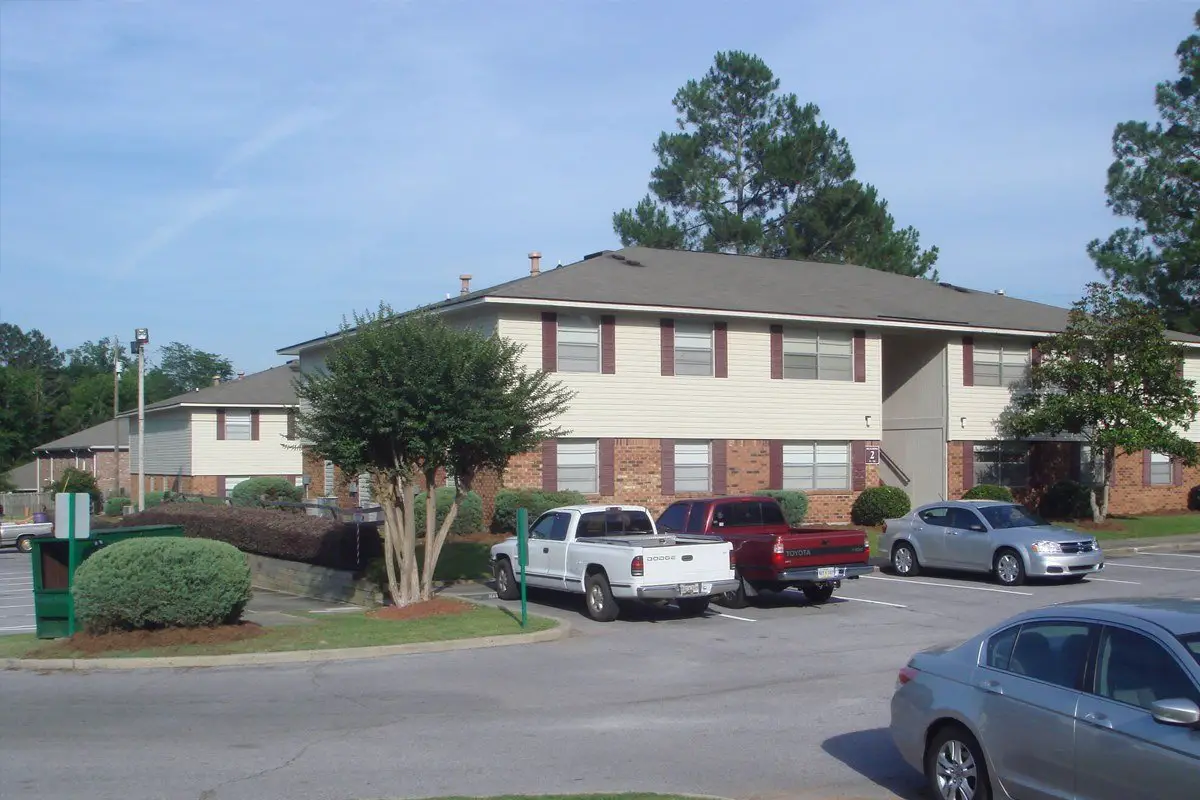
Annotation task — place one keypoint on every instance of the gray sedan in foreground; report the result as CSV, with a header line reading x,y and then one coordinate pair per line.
x,y
1089,700
1005,539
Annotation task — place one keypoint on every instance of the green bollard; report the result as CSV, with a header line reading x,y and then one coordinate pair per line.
x,y
523,558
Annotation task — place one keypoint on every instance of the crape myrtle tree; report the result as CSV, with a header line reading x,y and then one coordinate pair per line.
x,y
1112,380
402,397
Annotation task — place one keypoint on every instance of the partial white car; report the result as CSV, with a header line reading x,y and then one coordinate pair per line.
x,y
21,536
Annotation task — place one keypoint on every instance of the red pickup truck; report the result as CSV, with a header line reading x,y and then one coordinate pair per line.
x,y
770,554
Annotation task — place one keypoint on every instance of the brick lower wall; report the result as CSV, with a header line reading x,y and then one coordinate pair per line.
x,y
101,463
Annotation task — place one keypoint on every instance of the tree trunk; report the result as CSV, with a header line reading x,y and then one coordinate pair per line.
x,y
435,540
410,579
399,541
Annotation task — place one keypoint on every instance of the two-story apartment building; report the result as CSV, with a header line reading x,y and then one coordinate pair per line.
x,y
209,440
699,373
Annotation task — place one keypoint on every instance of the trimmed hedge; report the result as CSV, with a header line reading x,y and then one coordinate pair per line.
x,y
254,491
156,498
504,519
987,491
1194,499
877,503
1067,500
161,582
79,481
793,503
470,512
113,506
275,534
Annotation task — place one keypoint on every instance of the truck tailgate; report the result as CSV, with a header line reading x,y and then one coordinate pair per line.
x,y
685,563
823,547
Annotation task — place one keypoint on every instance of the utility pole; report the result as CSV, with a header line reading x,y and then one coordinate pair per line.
x,y
116,490
141,338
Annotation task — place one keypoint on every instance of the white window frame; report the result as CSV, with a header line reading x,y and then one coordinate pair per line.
x,y
578,344
580,460
231,482
693,466
1162,470
1090,465
997,363
817,466
693,340
1005,471
364,489
818,354
238,425
330,490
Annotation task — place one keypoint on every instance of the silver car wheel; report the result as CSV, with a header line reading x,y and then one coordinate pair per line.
x,y
957,775
501,579
1008,568
903,560
596,599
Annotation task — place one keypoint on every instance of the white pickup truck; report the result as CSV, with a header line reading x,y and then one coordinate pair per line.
x,y
613,553
22,535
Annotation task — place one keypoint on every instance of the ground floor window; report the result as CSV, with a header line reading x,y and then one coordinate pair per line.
x,y
578,467
1002,464
1162,471
329,490
232,482
693,466
816,465
1091,465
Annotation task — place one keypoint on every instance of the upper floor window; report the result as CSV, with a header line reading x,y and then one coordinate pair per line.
x,y
999,363
693,348
1002,464
693,466
578,467
826,355
578,344
237,425
1162,471
816,465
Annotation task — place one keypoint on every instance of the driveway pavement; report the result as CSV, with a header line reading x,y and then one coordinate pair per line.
x,y
783,701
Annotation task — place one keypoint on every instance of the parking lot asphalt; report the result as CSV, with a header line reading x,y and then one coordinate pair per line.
x,y
785,700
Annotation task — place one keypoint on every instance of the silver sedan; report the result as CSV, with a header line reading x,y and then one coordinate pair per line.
x,y
1004,539
1094,701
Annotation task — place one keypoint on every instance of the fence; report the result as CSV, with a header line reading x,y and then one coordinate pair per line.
x,y
21,505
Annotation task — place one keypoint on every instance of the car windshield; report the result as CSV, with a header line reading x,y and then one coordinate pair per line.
x,y
1192,643
1014,516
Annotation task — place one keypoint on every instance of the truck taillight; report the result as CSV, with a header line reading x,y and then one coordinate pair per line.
x,y
637,567
732,559
777,552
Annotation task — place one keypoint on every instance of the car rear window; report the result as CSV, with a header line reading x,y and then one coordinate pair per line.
x,y
613,523
673,518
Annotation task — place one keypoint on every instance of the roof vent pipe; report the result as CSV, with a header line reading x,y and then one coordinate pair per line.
x,y
466,284
535,263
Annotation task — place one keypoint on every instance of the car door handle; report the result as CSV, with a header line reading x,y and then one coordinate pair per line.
x,y
545,549
1099,720
992,687
951,532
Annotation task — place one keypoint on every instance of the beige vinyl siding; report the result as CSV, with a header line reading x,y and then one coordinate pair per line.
x,y
638,401
272,454
168,445
980,405
1191,371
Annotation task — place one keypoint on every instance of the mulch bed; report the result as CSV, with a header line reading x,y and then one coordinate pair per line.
x,y
437,607
95,644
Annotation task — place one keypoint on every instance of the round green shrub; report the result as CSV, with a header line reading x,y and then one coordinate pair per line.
x,y
156,498
114,506
1194,499
1067,500
504,518
793,503
878,503
79,481
161,582
470,512
987,491
254,491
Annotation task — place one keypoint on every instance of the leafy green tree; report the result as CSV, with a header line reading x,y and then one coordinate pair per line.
x,y
401,397
27,349
1113,380
1155,179
29,399
753,171
79,481
182,368
97,357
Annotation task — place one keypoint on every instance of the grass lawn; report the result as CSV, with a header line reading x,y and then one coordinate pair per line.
x,y
328,632
1144,527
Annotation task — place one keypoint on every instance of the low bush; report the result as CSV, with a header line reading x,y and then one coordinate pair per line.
x,y
987,491
878,503
1066,500
161,582
157,498
256,491
793,503
79,481
275,534
113,506
470,512
504,519
1194,499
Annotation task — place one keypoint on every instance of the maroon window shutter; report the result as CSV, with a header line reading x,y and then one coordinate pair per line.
x,y
720,466
1146,467
220,424
254,425
858,465
608,472
668,466
549,341
220,486
775,457
1177,471
776,352
667,346
550,465
1035,355
291,424
860,356
968,361
1076,466
721,349
968,459
608,345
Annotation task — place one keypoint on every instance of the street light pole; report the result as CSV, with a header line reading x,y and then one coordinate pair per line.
x,y
116,416
142,338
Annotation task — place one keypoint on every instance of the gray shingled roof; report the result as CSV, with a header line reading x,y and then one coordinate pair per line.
x,y
97,437
24,477
643,276
271,387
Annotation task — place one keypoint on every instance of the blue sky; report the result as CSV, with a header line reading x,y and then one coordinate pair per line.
x,y
237,176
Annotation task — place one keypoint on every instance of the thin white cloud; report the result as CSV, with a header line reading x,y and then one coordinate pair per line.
x,y
198,210
270,137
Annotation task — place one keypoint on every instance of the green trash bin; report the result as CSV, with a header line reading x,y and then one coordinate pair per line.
x,y
52,579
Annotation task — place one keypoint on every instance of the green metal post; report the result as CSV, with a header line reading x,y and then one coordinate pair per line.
x,y
71,564
523,558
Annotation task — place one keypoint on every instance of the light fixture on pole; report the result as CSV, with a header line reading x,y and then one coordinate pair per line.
x,y
141,338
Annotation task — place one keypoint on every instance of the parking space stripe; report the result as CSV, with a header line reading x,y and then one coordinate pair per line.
x,y
23,605
872,602
335,610
19,628
948,585
1112,580
1138,566
731,616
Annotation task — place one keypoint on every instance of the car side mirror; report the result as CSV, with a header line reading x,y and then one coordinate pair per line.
x,y
1175,711
978,528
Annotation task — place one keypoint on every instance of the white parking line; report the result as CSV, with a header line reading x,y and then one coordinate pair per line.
x,y
19,628
25,605
1112,580
872,602
336,610
16,580
731,616
1138,566
948,585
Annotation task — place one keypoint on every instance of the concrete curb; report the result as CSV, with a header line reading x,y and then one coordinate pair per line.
x,y
1150,549
561,631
